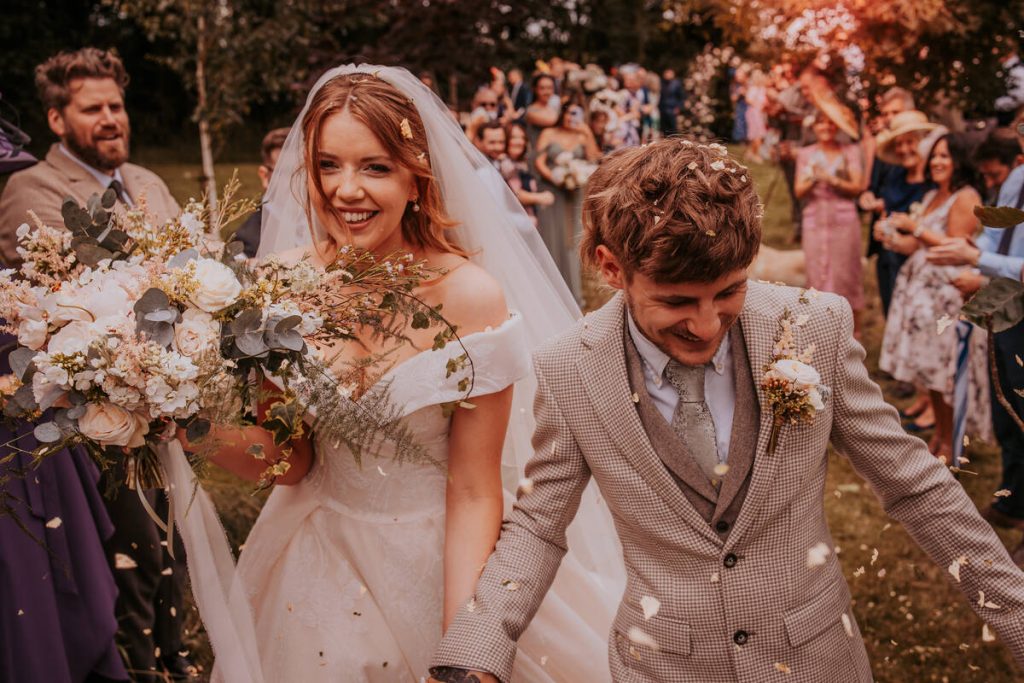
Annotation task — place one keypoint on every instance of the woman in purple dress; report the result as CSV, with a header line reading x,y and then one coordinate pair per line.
x,y
56,589
828,178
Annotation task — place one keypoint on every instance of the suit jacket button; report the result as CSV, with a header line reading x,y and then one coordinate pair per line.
x,y
729,561
721,526
740,637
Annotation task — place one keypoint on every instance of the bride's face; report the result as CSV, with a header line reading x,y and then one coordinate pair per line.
x,y
364,184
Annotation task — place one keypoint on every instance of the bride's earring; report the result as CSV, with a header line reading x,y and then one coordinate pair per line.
x,y
416,205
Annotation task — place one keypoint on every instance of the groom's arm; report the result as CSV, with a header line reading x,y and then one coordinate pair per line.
x,y
917,490
517,576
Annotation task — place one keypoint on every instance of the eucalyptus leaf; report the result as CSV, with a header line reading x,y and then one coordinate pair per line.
x,y
153,299
109,198
162,315
116,240
47,432
76,412
160,332
100,217
251,343
1001,301
25,397
182,258
93,203
66,421
999,216
287,324
233,248
197,429
249,320
91,254
20,360
75,219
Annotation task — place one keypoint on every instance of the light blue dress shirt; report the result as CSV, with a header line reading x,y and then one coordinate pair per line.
x,y
998,265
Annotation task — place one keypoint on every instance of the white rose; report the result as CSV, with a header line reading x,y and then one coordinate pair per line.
x,y
196,331
815,398
112,425
75,337
218,286
104,298
32,333
802,375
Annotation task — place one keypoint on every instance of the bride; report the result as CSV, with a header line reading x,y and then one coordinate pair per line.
x,y
352,573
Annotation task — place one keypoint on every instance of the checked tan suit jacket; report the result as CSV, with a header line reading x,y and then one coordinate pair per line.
x,y
743,606
44,187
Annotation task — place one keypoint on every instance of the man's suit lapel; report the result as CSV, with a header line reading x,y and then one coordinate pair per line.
x,y
81,184
759,332
605,376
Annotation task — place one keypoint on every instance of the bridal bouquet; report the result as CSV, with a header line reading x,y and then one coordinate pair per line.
x,y
570,172
129,331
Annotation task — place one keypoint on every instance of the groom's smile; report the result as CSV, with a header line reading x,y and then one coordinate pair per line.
x,y
686,320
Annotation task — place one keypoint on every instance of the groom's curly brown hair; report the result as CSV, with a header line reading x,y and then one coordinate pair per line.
x,y
675,210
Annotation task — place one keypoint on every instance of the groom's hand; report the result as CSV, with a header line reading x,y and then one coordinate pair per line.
x,y
452,674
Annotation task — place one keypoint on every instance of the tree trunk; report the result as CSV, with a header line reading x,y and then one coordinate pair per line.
x,y
209,178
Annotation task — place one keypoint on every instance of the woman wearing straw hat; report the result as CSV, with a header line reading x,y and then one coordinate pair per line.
x,y
828,177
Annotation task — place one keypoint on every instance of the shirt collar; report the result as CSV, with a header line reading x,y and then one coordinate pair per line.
x,y
656,359
101,177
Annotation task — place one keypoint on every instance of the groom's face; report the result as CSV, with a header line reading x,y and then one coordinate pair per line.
x,y
686,320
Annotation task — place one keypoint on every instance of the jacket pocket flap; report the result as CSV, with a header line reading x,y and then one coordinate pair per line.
x,y
669,635
813,617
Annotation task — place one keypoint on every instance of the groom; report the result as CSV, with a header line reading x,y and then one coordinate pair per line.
x,y
717,500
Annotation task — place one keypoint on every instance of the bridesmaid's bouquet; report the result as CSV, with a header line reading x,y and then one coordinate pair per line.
x,y
571,172
129,331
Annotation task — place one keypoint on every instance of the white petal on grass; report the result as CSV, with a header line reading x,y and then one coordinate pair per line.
x,y
54,523
874,556
847,624
650,606
817,555
639,637
122,561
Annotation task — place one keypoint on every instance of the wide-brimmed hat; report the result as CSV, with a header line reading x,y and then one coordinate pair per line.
x,y
838,113
912,121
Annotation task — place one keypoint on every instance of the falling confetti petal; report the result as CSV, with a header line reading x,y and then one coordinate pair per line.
x,y
954,569
637,635
21,613
54,523
122,561
692,166
525,486
382,472
721,469
782,668
859,571
471,605
650,605
167,572
1019,361
714,577
874,556
1002,493
881,573
847,624
817,555
943,323
710,233
986,634
636,397
510,585
717,165
544,660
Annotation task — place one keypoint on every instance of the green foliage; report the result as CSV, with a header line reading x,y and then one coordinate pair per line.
x,y
999,303
999,216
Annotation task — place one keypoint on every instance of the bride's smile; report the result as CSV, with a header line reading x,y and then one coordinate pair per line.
x,y
369,192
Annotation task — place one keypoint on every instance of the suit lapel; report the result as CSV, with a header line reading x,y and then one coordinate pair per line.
x,y
759,332
605,376
745,424
80,182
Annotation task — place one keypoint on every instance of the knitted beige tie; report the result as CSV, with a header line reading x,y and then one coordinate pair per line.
x,y
692,420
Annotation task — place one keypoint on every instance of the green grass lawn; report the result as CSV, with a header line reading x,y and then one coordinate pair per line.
x,y
918,627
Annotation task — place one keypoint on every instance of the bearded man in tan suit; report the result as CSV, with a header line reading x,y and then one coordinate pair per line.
x,y
715,485
83,95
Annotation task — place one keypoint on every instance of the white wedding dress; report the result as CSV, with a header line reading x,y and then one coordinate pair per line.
x,y
345,570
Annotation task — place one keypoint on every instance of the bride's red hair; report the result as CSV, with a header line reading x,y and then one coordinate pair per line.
x,y
386,111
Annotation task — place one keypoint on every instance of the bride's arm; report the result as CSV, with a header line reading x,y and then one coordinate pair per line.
x,y
474,499
229,448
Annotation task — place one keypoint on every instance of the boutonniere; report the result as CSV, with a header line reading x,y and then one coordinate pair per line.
x,y
793,386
